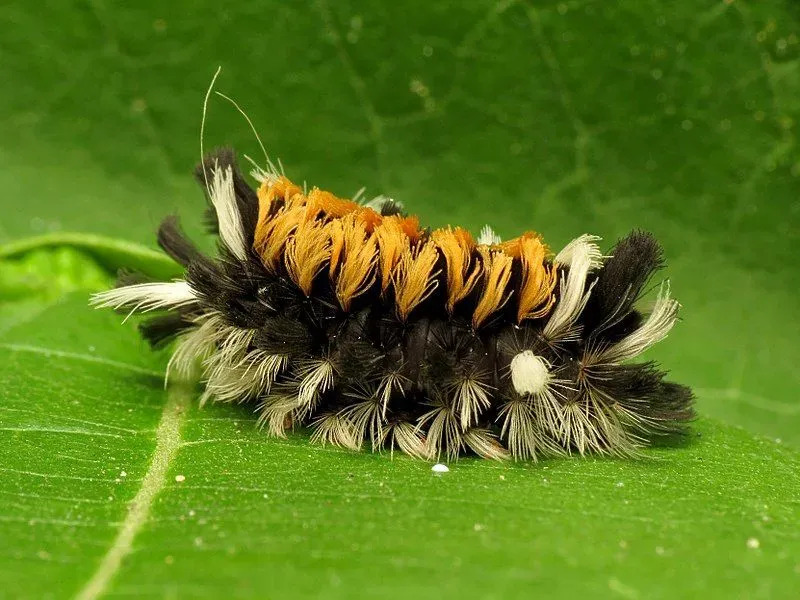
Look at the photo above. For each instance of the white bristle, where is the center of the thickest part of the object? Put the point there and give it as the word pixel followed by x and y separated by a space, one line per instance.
pixel 275 411
pixel 488 237
pixel 483 443
pixel 194 345
pixel 408 440
pixel 444 432
pixel 652 331
pixel 336 430
pixel 530 374
pixel 573 296
pixel 391 381
pixel 378 202
pixel 143 297
pixel 365 415
pixel 471 397
pixel 583 245
pixel 316 377
pixel 223 197
pixel 252 377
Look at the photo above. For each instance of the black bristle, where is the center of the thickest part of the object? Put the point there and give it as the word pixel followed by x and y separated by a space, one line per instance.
pixel 359 360
pixel 207 278
pixel 673 404
pixel 629 380
pixel 640 388
pixel 162 329
pixel 619 285
pixel 389 207
pixel 240 291
pixel 246 197
pixel 284 335
pixel 174 242
pixel 126 277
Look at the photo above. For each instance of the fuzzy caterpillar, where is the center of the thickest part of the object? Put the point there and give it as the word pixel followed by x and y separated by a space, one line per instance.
pixel 351 319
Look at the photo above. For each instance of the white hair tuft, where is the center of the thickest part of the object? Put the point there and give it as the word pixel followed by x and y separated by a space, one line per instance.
pixel 583 245
pixel 144 297
pixel 530 374
pixel 223 197
pixel 488 237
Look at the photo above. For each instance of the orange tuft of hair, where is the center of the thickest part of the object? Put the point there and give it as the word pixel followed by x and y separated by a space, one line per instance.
pixel 414 279
pixel 280 188
pixel 369 217
pixel 497 272
pixel 457 245
pixel 271 238
pixel 356 257
pixel 272 195
pixel 361 246
pixel 538 280
pixel 306 252
pixel 392 242
pixel 331 205
pixel 410 226
pixel 514 247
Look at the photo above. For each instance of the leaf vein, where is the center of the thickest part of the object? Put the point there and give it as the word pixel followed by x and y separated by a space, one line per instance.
pixel 168 441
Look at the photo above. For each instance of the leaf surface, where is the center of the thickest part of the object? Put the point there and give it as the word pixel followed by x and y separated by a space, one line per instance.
pixel 113 486
pixel 563 117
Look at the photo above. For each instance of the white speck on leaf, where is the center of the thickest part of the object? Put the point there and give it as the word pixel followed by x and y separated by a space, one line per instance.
pixel 180 478
pixel 753 543
pixel 440 468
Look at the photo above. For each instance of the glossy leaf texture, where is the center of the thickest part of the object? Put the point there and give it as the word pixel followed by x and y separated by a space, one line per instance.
pixel 114 487
pixel 563 117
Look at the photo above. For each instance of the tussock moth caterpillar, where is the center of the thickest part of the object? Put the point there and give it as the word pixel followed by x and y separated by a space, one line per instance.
pixel 352 319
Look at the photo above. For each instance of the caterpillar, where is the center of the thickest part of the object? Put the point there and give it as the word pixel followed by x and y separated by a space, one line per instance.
pixel 350 318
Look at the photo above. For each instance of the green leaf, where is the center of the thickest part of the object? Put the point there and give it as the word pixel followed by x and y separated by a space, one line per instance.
pixel 63 256
pixel 565 117
pixel 111 485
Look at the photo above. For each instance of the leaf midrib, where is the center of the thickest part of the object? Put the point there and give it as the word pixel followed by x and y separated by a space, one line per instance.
pixel 168 441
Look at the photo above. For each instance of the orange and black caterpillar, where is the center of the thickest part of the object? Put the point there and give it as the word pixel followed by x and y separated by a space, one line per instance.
pixel 351 319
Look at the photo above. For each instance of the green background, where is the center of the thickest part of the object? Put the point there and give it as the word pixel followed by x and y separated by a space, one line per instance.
pixel 572 117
